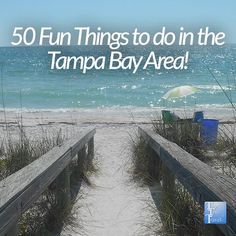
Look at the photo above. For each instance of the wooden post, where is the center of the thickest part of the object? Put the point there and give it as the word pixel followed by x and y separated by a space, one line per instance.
pixel 82 162
pixel 63 191
pixel 77 173
pixel 91 149
pixel 168 181
pixel 167 197
pixel 154 165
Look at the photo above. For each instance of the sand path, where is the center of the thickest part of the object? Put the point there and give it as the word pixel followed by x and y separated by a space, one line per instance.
pixel 115 206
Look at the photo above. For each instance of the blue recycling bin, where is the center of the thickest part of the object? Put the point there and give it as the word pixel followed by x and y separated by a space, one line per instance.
pixel 209 131
pixel 198 117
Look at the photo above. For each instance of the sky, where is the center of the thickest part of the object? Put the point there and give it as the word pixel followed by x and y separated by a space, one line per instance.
pixel 118 15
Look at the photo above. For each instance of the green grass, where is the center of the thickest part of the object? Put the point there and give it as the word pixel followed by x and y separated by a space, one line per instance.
pixel 139 171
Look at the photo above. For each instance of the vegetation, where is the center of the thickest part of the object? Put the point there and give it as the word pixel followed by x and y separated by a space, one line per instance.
pixel 178 212
pixel 225 149
pixel 181 214
pixel 140 162
pixel 188 220
pixel 18 151
pixel 224 152
pixel 184 133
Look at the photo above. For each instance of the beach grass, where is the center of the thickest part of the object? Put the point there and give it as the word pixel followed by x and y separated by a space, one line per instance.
pixel 19 150
pixel 224 151
pixel 179 213
pixel 183 133
pixel 140 157
pixel 227 143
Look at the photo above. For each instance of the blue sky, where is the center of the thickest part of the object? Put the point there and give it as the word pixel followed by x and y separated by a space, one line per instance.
pixel 114 15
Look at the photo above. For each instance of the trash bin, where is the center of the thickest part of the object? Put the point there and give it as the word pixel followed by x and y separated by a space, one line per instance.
pixel 166 116
pixel 209 131
pixel 198 117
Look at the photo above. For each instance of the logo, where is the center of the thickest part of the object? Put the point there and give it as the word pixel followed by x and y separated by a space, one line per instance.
pixel 215 213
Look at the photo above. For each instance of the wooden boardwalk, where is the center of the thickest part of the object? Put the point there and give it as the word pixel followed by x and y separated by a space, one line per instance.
pixel 202 181
pixel 19 190
pixel 114 205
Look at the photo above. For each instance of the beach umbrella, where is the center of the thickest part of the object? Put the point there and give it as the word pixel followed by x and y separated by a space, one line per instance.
pixel 181 91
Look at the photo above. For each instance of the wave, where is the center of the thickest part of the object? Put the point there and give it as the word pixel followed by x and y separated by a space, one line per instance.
pixel 114 108
pixel 214 87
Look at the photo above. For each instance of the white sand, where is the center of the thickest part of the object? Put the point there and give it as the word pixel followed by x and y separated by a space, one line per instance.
pixel 115 206
pixel 106 115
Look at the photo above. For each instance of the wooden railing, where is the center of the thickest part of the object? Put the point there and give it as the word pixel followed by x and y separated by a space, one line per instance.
pixel 202 182
pixel 21 189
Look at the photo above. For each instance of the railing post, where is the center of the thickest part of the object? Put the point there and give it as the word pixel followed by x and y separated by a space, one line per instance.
pixel 91 149
pixel 81 162
pixel 168 181
pixel 154 165
pixel 63 191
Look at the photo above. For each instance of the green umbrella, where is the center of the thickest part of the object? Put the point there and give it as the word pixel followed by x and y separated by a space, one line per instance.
pixel 181 91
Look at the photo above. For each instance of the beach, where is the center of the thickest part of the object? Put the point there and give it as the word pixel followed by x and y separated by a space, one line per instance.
pixel 38 122
pixel 114 205
pixel 120 115
pixel 118 118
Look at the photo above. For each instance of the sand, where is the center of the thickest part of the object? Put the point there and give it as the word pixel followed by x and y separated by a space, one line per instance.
pixel 115 205
pixel 118 115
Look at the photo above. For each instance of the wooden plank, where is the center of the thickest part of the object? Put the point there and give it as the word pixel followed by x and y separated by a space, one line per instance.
pixel 91 149
pixel 154 165
pixel 168 182
pixel 81 164
pixel 22 188
pixel 203 182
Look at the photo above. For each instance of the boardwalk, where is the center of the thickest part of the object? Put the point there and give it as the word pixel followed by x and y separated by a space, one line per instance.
pixel 115 206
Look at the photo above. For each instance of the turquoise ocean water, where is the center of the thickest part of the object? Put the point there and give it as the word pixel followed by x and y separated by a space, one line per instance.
pixel 28 82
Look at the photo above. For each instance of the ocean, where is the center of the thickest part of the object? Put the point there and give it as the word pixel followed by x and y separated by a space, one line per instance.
pixel 28 82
